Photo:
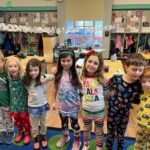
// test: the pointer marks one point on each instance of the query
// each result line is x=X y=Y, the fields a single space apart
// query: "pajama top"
x=143 y=116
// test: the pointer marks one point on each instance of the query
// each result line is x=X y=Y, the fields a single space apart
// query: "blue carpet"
x=54 y=135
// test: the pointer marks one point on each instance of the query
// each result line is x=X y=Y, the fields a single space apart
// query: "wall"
x=84 y=9
x=19 y=3
x=121 y=2
x=107 y=21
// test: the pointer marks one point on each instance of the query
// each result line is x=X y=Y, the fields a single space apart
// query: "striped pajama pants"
x=98 y=119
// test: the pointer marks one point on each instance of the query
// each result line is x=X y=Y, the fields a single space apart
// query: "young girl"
x=18 y=99
x=143 y=116
x=67 y=86
x=6 y=121
x=93 y=104
x=37 y=100
x=126 y=91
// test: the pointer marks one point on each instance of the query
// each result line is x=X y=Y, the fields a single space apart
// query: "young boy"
x=6 y=122
x=126 y=90
x=143 y=116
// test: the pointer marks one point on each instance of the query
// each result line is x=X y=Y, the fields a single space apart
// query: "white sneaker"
x=86 y=147
x=62 y=141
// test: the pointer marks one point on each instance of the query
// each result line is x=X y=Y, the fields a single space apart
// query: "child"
x=37 y=101
x=67 y=86
x=18 y=99
x=6 y=122
x=126 y=89
x=93 y=105
x=143 y=117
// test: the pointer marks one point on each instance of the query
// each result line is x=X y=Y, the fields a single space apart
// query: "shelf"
x=132 y=31
x=117 y=32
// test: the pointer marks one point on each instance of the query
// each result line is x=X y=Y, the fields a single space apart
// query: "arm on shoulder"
x=46 y=77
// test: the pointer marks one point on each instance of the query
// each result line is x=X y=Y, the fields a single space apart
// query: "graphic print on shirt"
x=91 y=90
x=32 y=94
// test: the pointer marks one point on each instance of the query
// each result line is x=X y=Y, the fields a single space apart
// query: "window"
x=85 y=33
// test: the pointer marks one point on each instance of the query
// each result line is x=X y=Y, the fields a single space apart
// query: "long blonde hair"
x=99 y=73
x=2 y=56
x=14 y=59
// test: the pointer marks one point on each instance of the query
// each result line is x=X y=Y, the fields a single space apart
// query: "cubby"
x=131 y=32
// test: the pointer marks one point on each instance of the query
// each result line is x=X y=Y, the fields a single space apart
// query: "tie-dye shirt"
x=68 y=96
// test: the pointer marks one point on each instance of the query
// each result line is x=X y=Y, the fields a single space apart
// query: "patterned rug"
x=54 y=135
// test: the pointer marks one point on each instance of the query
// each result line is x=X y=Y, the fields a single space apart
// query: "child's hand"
x=42 y=79
x=112 y=93
x=46 y=77
x=109 y=94
x=54 y=106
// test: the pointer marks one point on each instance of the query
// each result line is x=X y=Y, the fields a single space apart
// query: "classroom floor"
x=54 y=121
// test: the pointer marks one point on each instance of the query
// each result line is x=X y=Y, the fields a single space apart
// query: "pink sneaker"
x=76 y=145
x=19 y=137
x=63 y=141
x=27 y=139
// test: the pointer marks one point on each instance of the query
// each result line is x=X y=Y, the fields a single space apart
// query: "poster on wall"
x=36 y=18
x=23 y=17
x=53 y=17
x=45 y=18
x=1 y=19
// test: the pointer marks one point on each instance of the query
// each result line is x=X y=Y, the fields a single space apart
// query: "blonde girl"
x=18 y=99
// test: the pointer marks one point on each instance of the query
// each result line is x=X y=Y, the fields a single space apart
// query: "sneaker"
x=27 y=139
x=2 y=137
x=63 y=141
x=43 y=141
x=76 y=145
x=10 y=137
x=36 y=144
x=19 y=137
x=86 y=147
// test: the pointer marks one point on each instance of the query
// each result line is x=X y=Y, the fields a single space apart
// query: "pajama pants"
x=116 y=126
x=98 y=118
x=142 y=138
x=6 y=121
x=74 y=125
x=35 y=125
x=22 y=121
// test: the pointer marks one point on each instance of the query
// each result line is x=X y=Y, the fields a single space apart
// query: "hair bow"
x=89 y=52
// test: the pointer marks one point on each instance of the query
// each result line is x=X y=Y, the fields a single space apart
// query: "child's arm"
x=107 y=87
x=46 y=77
x=136 y=95
x=54 y=95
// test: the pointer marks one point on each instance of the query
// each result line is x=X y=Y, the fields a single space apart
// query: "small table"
x=145 y=55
